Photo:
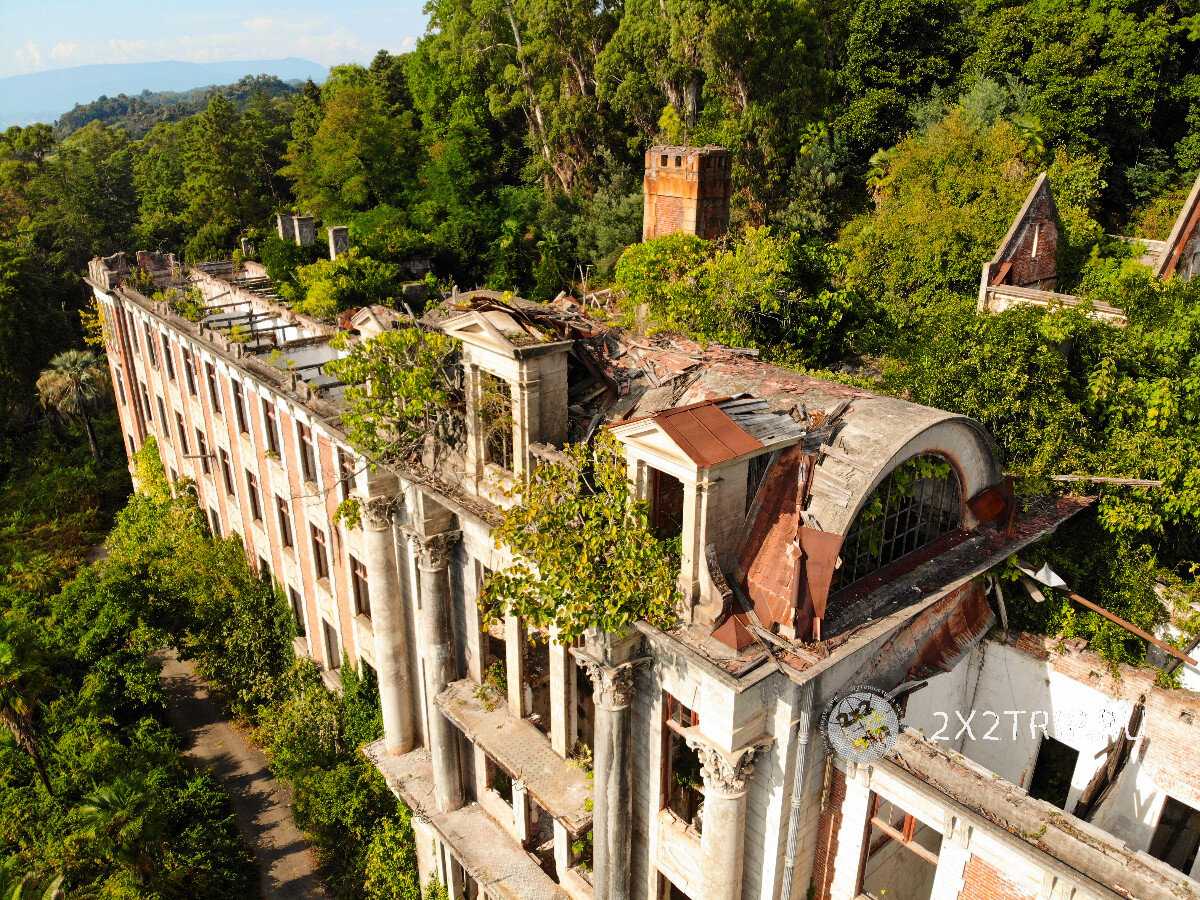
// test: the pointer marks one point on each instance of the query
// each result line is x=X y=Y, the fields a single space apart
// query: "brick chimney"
x=687 y=189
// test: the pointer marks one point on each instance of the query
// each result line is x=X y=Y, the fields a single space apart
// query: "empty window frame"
x=168 y=359
x=362 y=593
x=214 y=387
x=297 y=605
x=189 y=372
x=147 y=409
x=253 y=496
x=683 y=785
x=264 y=569
x=214 y=521
x=202 y=453
x=332 y=652
x=150 y=351
x=120 y=382
x=915 y=505
x=320 y=557
x=308 y=453
x=162 y=418
x=756 y=471
x=1177 y=836
x=239 y=406
x=226 y=472
x=496 y=420
x=286 y=535
x=345 y=473
x=900 y=855
x=270 y=426
x=1053 y=771
x=666 y=505
x=183 y=441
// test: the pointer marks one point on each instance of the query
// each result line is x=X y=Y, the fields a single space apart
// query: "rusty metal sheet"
x=996 y=502
x=767 y=556
x=734 y=633
x=962 y=629
x=706 y=433
x=821 y=551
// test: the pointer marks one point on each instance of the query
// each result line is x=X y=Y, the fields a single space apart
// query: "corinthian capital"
x=726 y=774
x=376 y=513
x=434 y=550
x=612 y=686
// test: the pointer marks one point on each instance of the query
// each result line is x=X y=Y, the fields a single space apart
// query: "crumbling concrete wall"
x=687 y=189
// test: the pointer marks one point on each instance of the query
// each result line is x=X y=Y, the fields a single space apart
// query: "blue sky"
x=50 y=34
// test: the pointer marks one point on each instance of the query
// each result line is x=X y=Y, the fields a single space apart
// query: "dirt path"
x=261 y=805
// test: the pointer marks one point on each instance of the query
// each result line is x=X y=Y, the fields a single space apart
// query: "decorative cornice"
x=726 y=774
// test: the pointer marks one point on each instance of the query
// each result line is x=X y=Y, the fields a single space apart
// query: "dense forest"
x=881 y=149
x=137 y=115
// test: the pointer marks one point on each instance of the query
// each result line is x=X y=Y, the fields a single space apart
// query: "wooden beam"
x=1103 y=479
x=1129 y=626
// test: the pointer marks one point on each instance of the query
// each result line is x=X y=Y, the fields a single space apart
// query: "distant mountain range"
x=44 y=96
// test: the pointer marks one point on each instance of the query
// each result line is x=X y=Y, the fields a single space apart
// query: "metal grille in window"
x=912 y=507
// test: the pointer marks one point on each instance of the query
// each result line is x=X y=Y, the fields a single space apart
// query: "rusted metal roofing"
x=705 y=433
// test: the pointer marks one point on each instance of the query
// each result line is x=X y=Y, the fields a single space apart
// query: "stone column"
x=437 y=636
x=723 y=838
x=387 y=622
x=612 y=785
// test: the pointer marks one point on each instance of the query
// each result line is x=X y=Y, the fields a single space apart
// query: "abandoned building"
x=1025 y=268
x=831 y=540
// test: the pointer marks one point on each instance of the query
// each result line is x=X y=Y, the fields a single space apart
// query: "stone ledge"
x=522 y=751
x=488 y=853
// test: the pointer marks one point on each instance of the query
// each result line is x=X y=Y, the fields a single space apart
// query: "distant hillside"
x=138 y=114
x=45 y=96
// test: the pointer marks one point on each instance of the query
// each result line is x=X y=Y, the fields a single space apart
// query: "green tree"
x=127 y=822
x=74 y=385
x=587 y=557
x=22 y=680
x=219 y=166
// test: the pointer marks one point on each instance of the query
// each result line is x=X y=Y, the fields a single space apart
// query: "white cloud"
x=29 y=57
x=62 y=51
x=261 y=23
x=407 y=44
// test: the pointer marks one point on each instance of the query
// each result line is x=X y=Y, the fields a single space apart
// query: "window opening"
x=202 y=452
x=297 y=606
x=120 y=387
x=226 y=472
x=362 y=594
x=183 y=441
x=252 y=493
x=496 y=420
x=286 y=537
x=162 y=417
x=320 y=560
x=917 y=503
x=270 y=426
x=683 y=786
x=535 y=679
x=1053 y=771
x=239 y=406
x=585 y=708
x=214 y=521
x=345 y=473
x=1177 y=836
x=332 y=651
x=214 y=393
x=666 y=505
x=189 y=373
x=150 y=351
x=308 y=456
x=900 y=856
x=168 y=359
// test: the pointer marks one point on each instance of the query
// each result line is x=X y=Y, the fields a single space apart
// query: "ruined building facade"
x=830 y=539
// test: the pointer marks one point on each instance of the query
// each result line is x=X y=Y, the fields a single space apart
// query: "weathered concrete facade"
x=807 y=568
x=687 y=189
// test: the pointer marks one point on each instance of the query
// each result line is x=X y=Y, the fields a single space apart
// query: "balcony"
x=521 y=750
x=488 y=853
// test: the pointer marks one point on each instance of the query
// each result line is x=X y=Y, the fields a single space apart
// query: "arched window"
x=917 y=503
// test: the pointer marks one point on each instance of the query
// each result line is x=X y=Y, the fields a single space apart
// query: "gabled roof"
x=703 y=432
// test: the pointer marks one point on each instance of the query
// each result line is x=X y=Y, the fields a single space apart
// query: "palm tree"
x=74 y=383
x=30 y=887
x=21 y=679
x=127 y=823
